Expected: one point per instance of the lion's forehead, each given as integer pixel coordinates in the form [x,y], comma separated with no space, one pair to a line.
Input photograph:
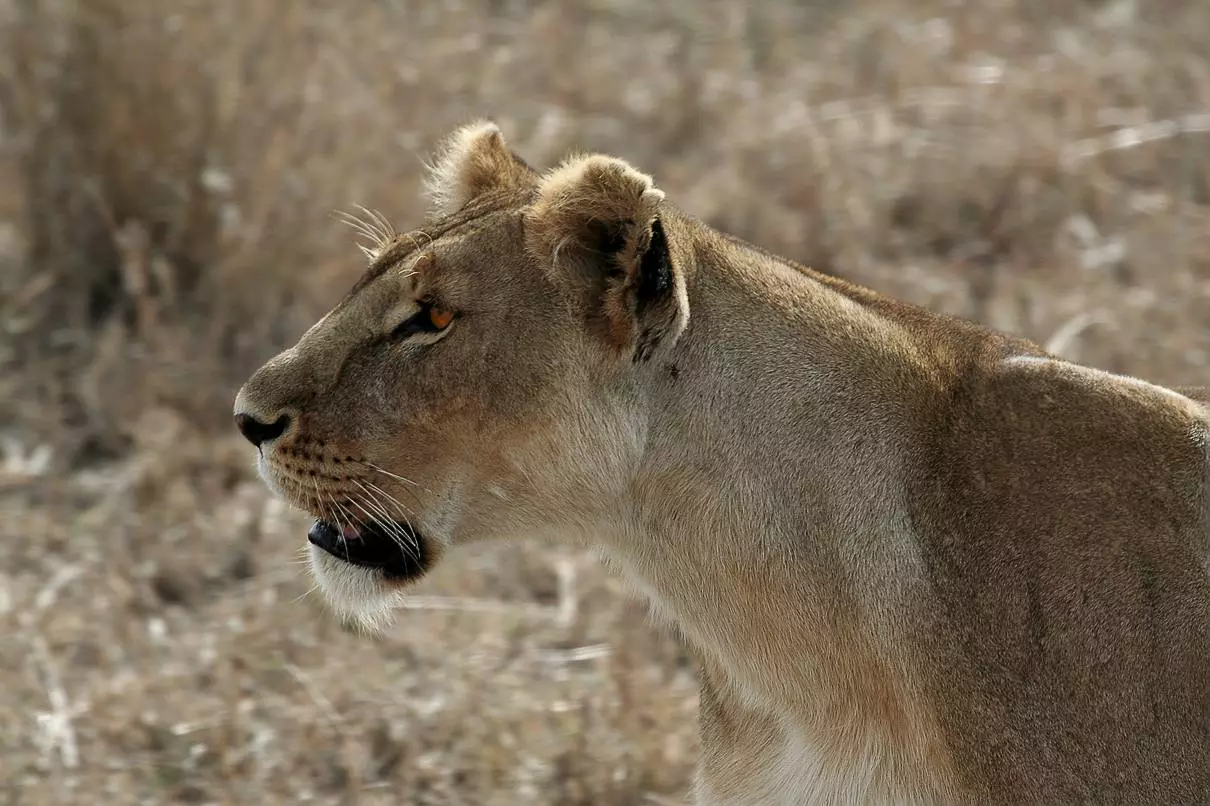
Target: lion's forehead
[372,302]
[456,255]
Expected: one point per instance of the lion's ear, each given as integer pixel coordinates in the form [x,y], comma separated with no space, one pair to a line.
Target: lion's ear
[597,223]
[473,160]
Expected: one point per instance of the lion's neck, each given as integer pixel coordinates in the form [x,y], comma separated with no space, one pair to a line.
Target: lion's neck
[765,521]
[775,436]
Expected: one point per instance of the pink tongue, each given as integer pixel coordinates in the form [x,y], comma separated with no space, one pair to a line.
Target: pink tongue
[351,533]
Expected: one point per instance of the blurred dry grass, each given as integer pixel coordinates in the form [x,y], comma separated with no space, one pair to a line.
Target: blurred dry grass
[169,174]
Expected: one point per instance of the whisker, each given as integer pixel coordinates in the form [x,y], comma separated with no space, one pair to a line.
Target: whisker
[376,490]
[389,526]
[377,230]
[372,501]
[341,525]
[386,223]
[411,236]
[364,223]
[375,499]
[405,511]
[384,226]
[363,229]
[389,474]
[380,516]
[302,556]
[327,512]
[373,505]
[412,492]
[323,513]
[308,592]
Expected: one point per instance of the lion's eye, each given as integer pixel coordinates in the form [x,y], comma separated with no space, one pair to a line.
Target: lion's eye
[440,318]
[431,318]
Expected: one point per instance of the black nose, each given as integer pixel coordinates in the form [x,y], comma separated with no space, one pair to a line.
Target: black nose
[257,432]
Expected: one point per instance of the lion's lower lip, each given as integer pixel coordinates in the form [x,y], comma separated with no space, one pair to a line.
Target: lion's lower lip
[395,549]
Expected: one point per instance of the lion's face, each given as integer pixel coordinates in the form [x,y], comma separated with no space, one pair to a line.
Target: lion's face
[480,380]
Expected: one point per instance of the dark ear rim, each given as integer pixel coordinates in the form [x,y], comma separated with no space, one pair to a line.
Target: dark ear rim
[655,268]
[657,306]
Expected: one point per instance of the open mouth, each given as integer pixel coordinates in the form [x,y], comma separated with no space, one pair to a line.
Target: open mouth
[394,548]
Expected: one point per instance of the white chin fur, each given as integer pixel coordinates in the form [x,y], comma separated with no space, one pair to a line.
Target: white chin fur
[266,475]
[358,596]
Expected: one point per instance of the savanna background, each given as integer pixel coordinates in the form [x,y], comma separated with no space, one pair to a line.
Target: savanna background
[169,173]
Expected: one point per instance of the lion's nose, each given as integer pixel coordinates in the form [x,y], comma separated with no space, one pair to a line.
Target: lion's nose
[258,432]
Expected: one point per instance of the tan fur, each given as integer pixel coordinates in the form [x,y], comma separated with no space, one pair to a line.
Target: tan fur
[920,561]
[471,162]
[575,203]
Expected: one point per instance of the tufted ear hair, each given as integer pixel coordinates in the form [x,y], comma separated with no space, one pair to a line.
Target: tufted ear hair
[597,224]
[471,161]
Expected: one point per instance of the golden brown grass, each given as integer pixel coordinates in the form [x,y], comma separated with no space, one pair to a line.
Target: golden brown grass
[168,178]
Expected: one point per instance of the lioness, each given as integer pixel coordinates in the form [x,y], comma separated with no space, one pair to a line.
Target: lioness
[919,561]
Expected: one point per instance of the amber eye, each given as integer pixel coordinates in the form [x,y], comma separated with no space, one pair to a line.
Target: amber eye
[440,318]
[431,318]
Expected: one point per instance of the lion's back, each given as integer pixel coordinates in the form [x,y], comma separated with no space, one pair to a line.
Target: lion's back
[1063,521]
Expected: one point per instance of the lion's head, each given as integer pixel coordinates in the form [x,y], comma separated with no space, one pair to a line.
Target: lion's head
[482,378]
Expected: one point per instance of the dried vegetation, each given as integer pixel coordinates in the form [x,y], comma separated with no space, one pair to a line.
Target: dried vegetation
[169,177]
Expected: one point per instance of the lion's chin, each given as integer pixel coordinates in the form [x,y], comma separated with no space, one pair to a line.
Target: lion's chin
[362,570]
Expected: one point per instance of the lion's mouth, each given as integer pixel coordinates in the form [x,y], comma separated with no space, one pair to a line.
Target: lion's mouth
[393,548]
